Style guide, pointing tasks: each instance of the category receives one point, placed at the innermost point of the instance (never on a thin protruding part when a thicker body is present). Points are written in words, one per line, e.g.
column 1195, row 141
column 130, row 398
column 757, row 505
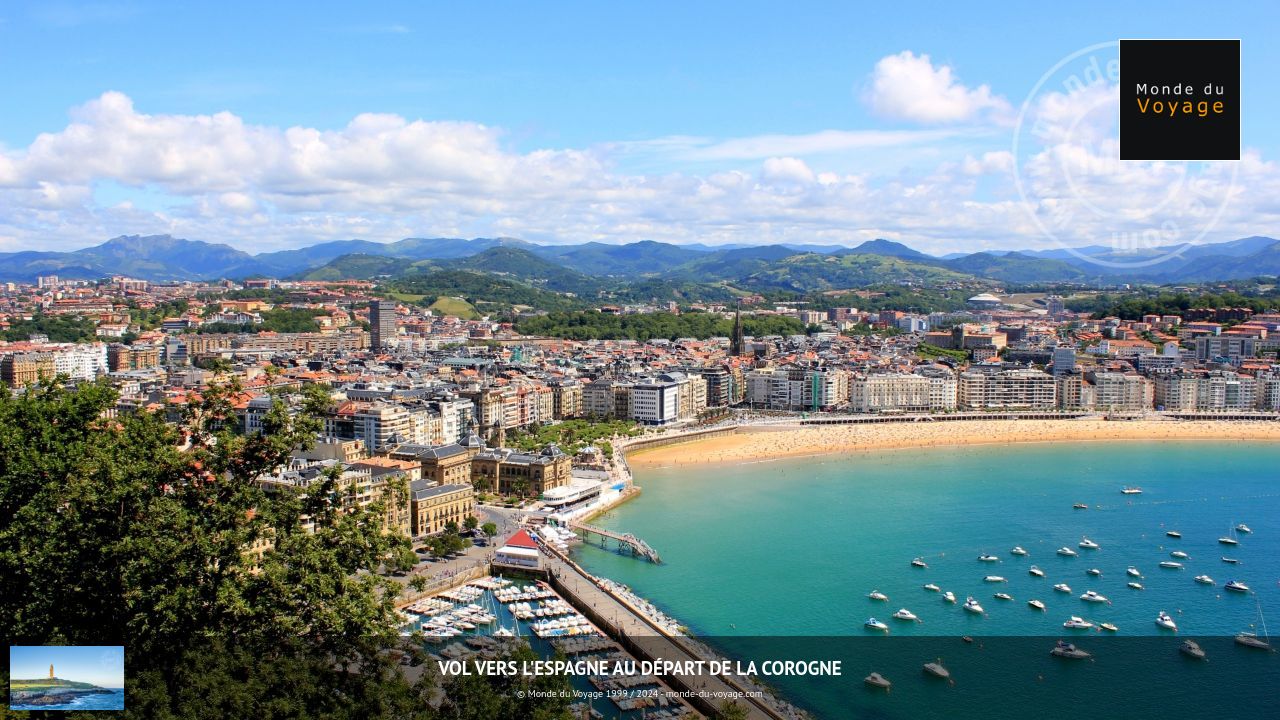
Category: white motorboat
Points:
column 1243, row 528
column 1134, row 490
column 919, row 562
column 874, row 624
column 1067, row 552
column 877, row 595
column 1003, row 596
column 931, row 587
column 1018, row 550
column 972, row 606
column 1109, row 627
column 1091, row 596
column 1077, row 623
column 1179, row 554
column 1171, row 565
column 1204, row 580
column 1236, row 586
column 937, row 670
column 1192, row 649
column 994, row 579
column 877, row 680
column 1065, row 649
column 1166, row 622
column 1230, row 561
column 1173, row 534
column 1133, row 572
column 1036, row 604
column 988, row 558
column 1135, row 586
column 1228, row 541
column 949, row 596
column 1080, row 506
column 905, row 614
column 1036, row 571
column 1095, row 572
column 1062, row 588
column 1088, row 544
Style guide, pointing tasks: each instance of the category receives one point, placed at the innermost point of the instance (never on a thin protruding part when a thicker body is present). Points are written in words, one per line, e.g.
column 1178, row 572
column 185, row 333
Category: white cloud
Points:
column 383, row 177
column 907, row 86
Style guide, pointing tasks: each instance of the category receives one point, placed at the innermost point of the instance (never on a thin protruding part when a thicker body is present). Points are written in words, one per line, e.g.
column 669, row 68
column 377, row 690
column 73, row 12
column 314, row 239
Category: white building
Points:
column 994, row 389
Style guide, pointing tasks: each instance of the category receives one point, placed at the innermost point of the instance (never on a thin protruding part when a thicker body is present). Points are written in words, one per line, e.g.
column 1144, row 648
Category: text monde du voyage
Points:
column 1180, row 99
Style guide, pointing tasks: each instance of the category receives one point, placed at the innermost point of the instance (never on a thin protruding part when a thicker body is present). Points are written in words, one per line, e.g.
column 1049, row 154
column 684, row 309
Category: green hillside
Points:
column 815, row 272
column 455, row 307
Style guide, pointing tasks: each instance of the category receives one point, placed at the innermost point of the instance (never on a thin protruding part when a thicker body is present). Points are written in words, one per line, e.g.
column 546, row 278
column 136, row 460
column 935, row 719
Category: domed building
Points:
column 985, row 301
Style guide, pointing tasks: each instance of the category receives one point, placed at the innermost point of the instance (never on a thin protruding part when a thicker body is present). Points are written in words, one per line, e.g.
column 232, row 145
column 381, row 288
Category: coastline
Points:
column 761, row 443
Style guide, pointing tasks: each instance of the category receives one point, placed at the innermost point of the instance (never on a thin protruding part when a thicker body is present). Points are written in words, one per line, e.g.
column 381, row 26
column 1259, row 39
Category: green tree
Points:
column 470, row 523
column 489, row 529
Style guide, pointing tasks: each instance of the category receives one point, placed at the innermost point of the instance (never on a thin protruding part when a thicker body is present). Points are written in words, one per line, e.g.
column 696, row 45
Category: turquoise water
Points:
column 791, row 548
column 113, row 700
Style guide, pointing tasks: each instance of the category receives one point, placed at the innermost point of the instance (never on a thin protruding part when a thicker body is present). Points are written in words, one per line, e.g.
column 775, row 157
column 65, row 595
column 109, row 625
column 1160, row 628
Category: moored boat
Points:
column 1130, row 490
column 1067, row 650
column 1077, row 623
column 875, row 624
column 971, row 605
column 1133, row 572
column 1003, row 596
column 1166, row 622
column 994, row 579
column 1243, row 528
column 905, row 614
column 1091, row 596
column 1179, row 554
column 1095, row 572
column 877, row 595
column 1192, row 649
column 1036, row 571
column 1088, row 544
column 919, row 562
column 1171, row 565
column 1036, row 604
column 1230, row 561
column 1135, row 586
column 1062, row 588
column 1018, row 550
column 1173, row 534
column 988, row 558
column 877, row 680
column 1236, row 586
column 1204, row 579
column 931, row 587
column 937, row 670
column 949, row 596
column 1109, row 627
column 1067, row 552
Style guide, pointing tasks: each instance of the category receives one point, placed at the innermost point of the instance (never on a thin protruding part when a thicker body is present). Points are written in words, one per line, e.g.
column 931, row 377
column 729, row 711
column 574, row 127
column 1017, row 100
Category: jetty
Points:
column 638, row 547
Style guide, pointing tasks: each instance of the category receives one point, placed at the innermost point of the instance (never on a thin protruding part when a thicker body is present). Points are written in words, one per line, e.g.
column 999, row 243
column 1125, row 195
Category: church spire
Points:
column 736, row 343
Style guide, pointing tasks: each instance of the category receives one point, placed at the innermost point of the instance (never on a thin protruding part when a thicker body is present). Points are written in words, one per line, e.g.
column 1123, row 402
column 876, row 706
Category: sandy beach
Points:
column 754, row 444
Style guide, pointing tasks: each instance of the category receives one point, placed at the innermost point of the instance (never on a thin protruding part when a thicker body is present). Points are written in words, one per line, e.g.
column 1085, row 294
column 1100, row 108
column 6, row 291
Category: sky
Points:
column 274, row 125
column 94, row 664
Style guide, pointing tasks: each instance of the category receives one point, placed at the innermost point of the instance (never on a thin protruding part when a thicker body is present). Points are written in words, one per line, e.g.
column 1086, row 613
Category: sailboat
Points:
column 1251, row 639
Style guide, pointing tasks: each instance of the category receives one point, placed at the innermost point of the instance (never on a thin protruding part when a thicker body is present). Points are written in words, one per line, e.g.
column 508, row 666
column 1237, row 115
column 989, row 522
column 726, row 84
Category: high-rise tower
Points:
column 382, row 323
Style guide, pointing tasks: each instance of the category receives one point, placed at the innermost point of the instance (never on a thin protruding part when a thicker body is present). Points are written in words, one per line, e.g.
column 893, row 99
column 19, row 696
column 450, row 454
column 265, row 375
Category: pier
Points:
column 638, row 547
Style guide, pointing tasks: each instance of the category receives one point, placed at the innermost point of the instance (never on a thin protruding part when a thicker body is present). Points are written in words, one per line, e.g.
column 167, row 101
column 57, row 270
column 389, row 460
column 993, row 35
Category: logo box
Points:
column 1180, row 99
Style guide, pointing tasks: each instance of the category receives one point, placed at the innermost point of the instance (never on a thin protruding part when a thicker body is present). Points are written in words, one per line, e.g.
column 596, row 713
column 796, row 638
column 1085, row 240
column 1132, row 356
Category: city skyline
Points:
column 702, row 129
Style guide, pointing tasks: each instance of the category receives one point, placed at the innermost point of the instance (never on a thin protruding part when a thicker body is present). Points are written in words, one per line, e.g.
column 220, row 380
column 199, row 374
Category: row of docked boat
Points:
column 551, row 608
column 523, row 593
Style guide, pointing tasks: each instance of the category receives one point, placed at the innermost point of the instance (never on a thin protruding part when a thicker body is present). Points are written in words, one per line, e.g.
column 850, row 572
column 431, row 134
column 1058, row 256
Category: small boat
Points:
column 877, row 680
column 1036, row 604
column 1109, row 627
column 1133, row 572
column 1018, row 550
column 1228, row 541
column 905, row 614
column 931, row 587
column 1080, row 506
column 966, row 639
column 1166, row 622
column 1094, row 572
column 877, row 595
column 1003, row 596
column 1251, row 640
column 1067, row 552
column 1204, row 579
column 994, row 579
column 1036, row 571
column 1243, row 528
column 1230, row 561
column 919, row 562
column 937, row 670
column 1171, row 565
column 1077, row 623
column 971, row 605
column 1065, row 649
column 1062, row 588
column 988, row 558
column 1088, row 544
column 1236, row 586
column 1091, row 596
column 1191, row 649
column 1127, row 490
column 949, row 596
column 875, row 624
column 1173, row 534
column 1179, row 554
column 1135, row 586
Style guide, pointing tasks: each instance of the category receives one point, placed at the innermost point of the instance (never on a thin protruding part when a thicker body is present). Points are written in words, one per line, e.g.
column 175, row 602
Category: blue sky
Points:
column 623, row 111
column 99, row 665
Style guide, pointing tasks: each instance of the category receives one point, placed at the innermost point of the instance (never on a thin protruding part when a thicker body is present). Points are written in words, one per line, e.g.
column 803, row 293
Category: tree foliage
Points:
column 649, row 326
column 129, row 531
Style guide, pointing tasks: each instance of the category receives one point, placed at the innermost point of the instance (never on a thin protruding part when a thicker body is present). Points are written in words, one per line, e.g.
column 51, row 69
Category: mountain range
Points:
column 598, row 266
